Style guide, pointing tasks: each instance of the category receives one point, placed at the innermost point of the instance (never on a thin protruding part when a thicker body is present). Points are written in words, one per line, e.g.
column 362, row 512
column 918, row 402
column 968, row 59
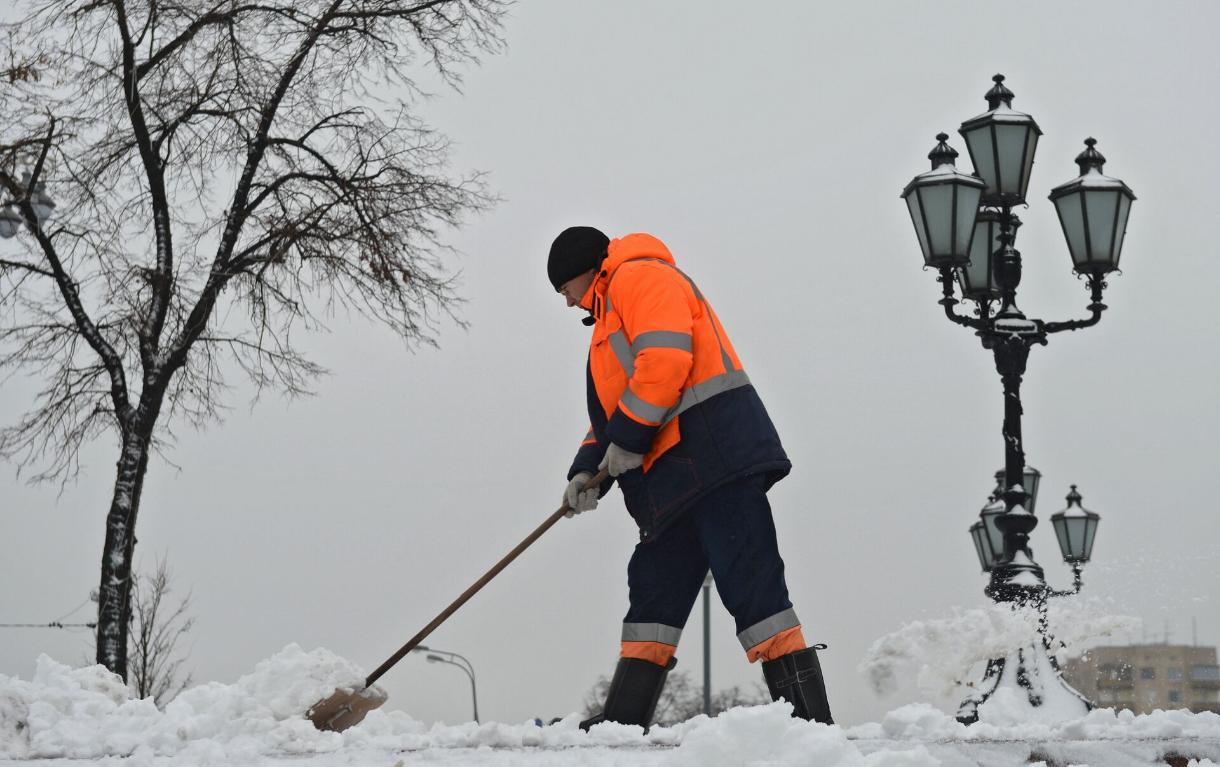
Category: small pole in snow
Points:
column 707, row 645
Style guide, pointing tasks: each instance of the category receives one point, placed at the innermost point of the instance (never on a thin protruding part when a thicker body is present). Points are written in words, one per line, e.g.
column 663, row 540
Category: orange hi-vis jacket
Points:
column 665, row 381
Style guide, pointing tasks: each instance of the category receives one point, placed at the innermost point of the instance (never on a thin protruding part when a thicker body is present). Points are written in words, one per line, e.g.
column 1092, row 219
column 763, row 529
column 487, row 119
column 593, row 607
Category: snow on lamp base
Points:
column 1026, row 686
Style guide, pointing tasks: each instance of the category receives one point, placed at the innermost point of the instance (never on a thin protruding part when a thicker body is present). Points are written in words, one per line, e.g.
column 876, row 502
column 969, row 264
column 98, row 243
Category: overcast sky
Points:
column 768, row 150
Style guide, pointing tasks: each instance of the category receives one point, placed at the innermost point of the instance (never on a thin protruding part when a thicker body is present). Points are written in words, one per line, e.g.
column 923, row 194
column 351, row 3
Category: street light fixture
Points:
column 990, row 545
column 982, row 546
column 977, row 247
column 1031, row 480
column 438, row 656
column 41, row 203
column 1093, row 210
column 942, row 203
column 1001, row 142
column 1075, row 527
column 977, row 278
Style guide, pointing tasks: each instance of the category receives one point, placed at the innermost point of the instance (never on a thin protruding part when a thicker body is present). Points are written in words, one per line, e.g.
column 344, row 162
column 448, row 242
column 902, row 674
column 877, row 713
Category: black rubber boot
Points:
column 797, row 678
column 633, row 694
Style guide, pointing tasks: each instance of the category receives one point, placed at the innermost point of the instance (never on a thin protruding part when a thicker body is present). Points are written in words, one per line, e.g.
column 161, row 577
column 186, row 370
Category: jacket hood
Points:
column 621, row 250
column 632, row 246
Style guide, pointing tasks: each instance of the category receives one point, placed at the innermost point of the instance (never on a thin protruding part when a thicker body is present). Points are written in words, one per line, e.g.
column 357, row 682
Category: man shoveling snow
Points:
column 675, row 420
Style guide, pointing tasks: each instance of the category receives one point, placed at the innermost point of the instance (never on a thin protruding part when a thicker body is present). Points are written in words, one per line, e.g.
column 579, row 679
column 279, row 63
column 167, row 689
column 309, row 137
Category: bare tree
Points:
column 227, row 173
column 155, row 659
column 682, row 699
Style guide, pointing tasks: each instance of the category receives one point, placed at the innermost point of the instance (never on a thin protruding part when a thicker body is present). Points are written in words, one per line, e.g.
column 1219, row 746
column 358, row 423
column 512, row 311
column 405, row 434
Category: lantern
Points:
column 1093, row 210
column 943, row 203
column 1075, row 527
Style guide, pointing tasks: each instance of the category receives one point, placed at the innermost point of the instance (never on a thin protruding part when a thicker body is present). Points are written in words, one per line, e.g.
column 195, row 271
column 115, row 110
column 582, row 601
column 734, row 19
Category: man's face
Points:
column 574, row 289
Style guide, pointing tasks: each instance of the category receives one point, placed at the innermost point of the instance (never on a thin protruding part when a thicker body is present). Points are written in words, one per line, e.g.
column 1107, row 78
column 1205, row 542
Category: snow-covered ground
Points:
column 84, row 716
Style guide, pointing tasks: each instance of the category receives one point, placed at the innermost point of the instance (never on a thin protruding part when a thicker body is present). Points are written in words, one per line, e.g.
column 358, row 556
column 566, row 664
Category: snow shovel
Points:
column 346, row 707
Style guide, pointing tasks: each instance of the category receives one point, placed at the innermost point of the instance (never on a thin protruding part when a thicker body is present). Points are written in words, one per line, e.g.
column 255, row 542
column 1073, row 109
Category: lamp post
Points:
column 967, row 231
column 707, row 644
column 12, row 212
column 444, row 656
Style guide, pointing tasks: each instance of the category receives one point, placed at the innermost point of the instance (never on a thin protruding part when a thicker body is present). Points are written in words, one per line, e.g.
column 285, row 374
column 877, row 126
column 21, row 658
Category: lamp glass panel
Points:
column 1071, row 218
column 917, row 219
column 1010, row 145
column 1061, row 532
column 1089, row 534
column 1031, row 479
column 1076, row 530
column 977, row 273
column 979, row 536
column 994, row 535
column 937, row 202
column 978, row 141
column 1029, row 158
column 967, row 209
column 1102, row 208
column 1124, row 210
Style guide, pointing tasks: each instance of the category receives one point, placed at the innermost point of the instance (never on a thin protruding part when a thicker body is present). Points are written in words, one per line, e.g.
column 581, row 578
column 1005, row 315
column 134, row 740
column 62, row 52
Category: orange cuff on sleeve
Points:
column 786, row 641
column 653, row 652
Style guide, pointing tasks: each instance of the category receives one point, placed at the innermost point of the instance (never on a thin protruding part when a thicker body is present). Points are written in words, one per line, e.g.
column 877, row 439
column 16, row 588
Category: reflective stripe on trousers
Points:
column 651, row 632
column 767, row 628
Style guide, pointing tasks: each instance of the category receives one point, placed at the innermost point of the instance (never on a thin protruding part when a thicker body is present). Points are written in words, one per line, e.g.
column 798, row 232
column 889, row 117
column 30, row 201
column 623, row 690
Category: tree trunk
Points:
column 114, row 592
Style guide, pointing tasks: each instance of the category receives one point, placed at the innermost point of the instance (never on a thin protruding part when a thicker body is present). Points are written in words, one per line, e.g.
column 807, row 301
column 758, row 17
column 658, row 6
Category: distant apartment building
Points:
column 1147, row 677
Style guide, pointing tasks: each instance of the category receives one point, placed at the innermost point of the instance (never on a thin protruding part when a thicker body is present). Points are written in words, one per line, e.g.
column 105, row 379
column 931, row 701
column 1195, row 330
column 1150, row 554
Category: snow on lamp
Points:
column 993, row 537
column 1093, row 210
column 943, row 203
column 1030, row 479
column 1002, row 142
column 1075, row 527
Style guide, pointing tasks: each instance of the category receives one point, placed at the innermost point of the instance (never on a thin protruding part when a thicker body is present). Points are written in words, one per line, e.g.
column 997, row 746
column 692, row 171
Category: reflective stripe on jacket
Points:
column 665, row 381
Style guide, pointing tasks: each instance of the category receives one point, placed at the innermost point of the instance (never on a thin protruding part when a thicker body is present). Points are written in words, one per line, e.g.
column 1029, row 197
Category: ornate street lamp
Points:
column 1093, row 211
column 943, row 203
column 1001, row 142
column 1075, row 527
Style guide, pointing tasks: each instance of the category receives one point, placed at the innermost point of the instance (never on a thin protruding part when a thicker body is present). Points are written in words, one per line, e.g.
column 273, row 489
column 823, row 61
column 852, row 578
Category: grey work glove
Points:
column 577, row 498
column 620, row 460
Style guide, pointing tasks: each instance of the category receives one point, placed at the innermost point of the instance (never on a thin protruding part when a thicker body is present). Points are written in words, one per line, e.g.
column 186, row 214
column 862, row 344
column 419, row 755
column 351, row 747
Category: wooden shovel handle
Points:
column 414, row 641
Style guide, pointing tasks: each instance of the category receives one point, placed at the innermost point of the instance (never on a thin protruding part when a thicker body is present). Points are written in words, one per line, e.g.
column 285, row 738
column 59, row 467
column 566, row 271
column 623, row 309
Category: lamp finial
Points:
column 942, row 153
column 999, row 94
column 1090, row 158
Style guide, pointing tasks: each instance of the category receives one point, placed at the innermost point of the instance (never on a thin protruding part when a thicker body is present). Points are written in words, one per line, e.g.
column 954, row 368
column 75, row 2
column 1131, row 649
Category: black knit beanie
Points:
column 575, row 251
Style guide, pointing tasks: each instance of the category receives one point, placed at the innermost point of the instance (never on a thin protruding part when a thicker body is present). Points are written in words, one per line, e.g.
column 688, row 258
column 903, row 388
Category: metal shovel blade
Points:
column 345, row 708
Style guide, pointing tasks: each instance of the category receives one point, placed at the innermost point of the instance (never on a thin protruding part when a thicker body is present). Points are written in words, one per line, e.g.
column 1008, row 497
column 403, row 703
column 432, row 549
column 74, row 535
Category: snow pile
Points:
column 86, row 713
column 259, row 720
column 924, row 723
column 943, row 652
column 768, row 735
